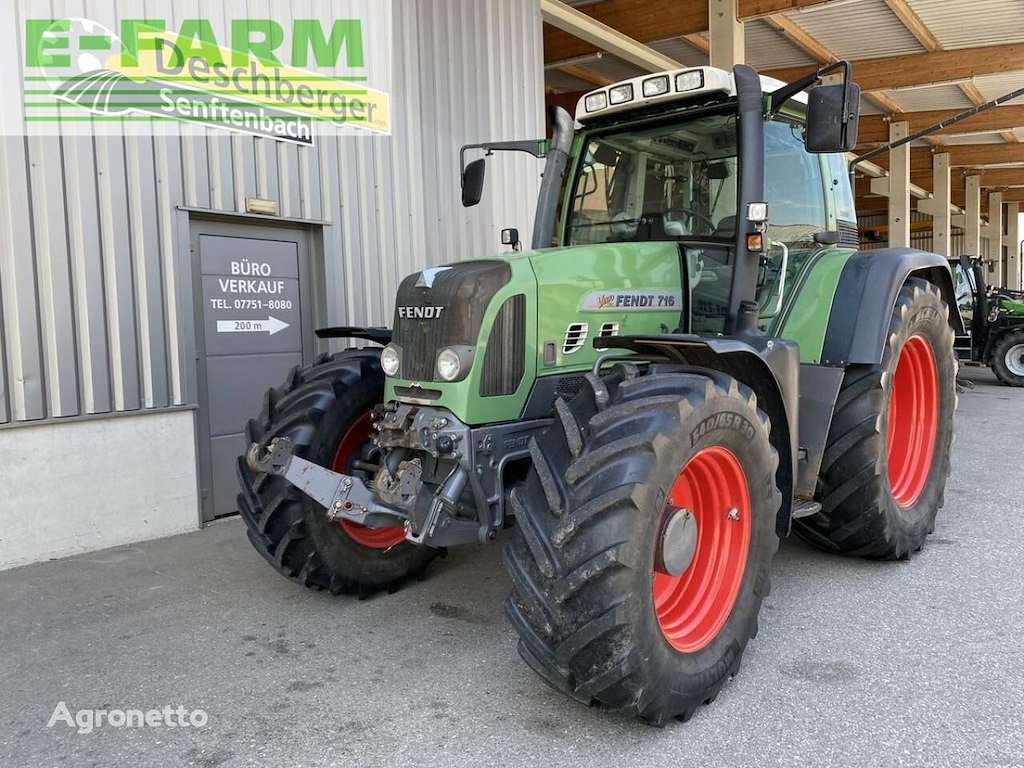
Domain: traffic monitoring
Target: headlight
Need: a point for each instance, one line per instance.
(449, 366)
(655, 86)
(390, 360)
(690, 81)
(620, 94)
(596, 101)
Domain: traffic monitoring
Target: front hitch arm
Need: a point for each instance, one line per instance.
(343, 496)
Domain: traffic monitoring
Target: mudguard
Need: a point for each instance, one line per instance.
(770, 367)
(866, 294)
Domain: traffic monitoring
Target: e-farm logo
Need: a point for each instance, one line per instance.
(267, 81)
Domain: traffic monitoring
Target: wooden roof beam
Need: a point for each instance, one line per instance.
(913, 22)
(698, 41)
(875, 128)
(964, 156)
(609, 37)
(582, 73)
(918, 69)
(646, 22)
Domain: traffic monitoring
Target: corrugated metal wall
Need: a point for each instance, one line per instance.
(93, 307)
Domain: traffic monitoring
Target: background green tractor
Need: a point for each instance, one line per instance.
(993, 322)
(702, 364)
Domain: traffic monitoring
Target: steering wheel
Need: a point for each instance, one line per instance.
(694, 215)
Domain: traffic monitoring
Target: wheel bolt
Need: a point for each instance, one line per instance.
(734, 515)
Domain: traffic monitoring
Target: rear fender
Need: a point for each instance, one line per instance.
(866, 294)
(770, 367)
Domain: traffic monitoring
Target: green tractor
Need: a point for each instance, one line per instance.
(994, 322)
(702, 364)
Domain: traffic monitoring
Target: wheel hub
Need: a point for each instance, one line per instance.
(678, 542)
(702, 549)
(1015, 359)
(912, 421)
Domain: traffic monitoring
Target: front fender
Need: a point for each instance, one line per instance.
(867, 290)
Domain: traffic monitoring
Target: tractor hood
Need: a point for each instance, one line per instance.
(474, 336)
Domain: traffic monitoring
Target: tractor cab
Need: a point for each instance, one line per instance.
(744, 175)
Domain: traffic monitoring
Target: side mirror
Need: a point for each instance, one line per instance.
(473, 182)
(832, 115)
(510, 237)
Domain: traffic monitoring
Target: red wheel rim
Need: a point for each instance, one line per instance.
(913, 421)
(356, 437)
(693, 607)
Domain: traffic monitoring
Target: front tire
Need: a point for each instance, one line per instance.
(1008, 359)
(324, 409)
(598, 614)
(886, 458)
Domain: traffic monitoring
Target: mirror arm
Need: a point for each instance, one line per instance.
(786, 92)
(535, 147)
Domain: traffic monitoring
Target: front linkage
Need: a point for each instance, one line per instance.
(440, 479)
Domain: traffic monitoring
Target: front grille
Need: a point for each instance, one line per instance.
(505, 360)
(443, 307)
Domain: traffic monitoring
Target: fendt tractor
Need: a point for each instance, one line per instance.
(994, 322)
(693, 361)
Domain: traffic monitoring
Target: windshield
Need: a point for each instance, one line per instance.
(663, 183)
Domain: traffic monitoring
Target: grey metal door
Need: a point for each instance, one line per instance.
(252, 326)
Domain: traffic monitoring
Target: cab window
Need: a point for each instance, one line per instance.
(662, 183)
(793, 186)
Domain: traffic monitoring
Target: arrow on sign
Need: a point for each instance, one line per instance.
(269, 326)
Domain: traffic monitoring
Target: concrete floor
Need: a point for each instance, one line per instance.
(857, 663)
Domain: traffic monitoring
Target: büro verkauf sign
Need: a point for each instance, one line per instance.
(279, 75)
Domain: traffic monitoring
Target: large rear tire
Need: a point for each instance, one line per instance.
(886, 459)
(598, 614)
(1008, 359)
(324, 409)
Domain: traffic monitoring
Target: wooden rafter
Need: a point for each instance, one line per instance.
(586, 75)
(913, 23)
(801, 38)
(698, 41)
(875, 128)
(820, 53)
(964, 156)
(991, 178)
(971, 92)
(920, 30)
(647, 21)
(918, 69)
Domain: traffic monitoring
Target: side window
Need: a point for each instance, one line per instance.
(840, 172)
(793, 187)
(964, 280)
